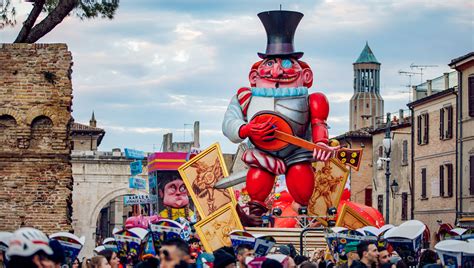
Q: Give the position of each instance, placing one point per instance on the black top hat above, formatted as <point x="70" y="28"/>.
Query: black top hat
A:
<point x="280" y="26"/>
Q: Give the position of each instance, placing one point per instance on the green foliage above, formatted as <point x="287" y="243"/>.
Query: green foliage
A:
<point x="88" y="9"/>
<point x="85" y="9"/>
<point x="7" y="14"/>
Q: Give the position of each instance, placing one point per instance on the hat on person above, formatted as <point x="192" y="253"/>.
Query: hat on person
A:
<point x="285" y="250"/>
<point x="351" y="246"/>
<point x="27" y="242"/>
<point x="58" y="255"/>
<point x="222" y="258"/>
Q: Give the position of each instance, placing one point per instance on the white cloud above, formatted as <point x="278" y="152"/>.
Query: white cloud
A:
<point x="339" y="97"/>
<point x="186" y="33"/>
<point x="181" y="56"/>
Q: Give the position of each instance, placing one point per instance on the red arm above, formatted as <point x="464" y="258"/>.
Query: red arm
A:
<point x="319" y="111"/>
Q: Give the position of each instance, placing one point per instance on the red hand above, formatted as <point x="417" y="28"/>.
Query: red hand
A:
<point x="256" y="130"/>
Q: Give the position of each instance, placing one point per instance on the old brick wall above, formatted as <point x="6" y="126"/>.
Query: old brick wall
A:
<point x="35" y="116"/>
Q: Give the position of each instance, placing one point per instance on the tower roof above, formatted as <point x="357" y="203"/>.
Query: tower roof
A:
<point x="367" y="56"/>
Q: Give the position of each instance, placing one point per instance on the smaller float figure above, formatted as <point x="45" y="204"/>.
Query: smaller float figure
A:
<point x="175" y="198"/>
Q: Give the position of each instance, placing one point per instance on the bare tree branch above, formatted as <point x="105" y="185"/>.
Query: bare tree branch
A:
<point x="56" y="16"/>
<point x="30" y="21"/>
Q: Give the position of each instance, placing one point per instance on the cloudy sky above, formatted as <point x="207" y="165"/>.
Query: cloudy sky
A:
<point x="161" y="65"/>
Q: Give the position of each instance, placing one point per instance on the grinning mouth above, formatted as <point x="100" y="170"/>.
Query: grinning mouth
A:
<point x="286" y="79"/>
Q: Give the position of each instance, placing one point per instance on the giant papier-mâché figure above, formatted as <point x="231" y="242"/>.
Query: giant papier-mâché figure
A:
<point x="279" y="92"/>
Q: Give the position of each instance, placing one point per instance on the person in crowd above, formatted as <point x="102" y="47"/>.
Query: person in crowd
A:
<point x="244" y="251"/>
<point x="111" y="257"/>
<point x="318" y="256"/>
<point x="98" y="261"/>
<point x="174" y="252"/>
<point x="58" y="257"/>
<point x="29" y="248"/>
<point x="2" y="259"/>
<point x="308" y="264"/>
<point x="270" y="263"/>
<point x="384" y="257"/>
<point x="427" y="258"/>
<point x="76" y="263"/>
<point x="299" y="259"/>
<point x="223" y="259"/>
<point x="368" y="255"/>
<point x="350" y="254"/>
<point x="286" y="250"/>
<point x="149" y="262"/>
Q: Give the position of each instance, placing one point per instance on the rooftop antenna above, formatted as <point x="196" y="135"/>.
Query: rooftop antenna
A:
<point x="409" y="74"/>
<point x="421" y="67"/>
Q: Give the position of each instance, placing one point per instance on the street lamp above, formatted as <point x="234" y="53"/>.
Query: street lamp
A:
<point x="387" y="145"/>
<point x="394" y="186"/>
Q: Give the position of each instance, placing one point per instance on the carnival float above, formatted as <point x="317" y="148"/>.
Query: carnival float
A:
<point x="295" y="181"/>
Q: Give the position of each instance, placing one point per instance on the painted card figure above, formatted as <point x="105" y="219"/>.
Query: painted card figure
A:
<point x="215" y="231"/>
<point x="200" y="174"/>
<point x="330" y="178"/>
<point x="350" y="219"/>
<point x="206" y="177"/>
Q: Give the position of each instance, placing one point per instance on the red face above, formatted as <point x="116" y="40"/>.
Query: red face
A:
<point x="280" y="72"/>
<point x="175" y="194"/>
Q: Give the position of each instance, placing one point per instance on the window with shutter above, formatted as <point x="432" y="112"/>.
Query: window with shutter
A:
<point x="426" y="129"/>
<point x="405" y="153"/>
<point x="404" y="206"/>
<point x="441" y="123"/>
<point x="423" y="182"/>
<point x="418" y="129"/>
<point x="441" y="180"/>
<point x="470" y="85"/>
<point x="450" y="179"/>
<point x="380" y="203"/>
<point x="471" y="175"/>
<point x="368" y="197"/>
<point x="449" y="131"/>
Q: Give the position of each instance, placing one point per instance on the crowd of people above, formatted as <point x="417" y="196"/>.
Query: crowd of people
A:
<point x="29" y="247"/>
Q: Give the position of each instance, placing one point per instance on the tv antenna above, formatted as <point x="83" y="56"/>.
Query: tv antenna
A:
<point x="421" y="67"/>
<point x="410" y="75"/>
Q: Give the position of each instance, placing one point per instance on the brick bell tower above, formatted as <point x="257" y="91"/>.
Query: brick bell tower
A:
<point x="366" y="105"/>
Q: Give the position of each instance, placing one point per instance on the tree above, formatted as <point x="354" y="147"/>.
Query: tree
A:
<point x="57" y="10"/>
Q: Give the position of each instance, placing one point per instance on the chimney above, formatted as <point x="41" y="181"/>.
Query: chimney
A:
<point x="446" y="80"/>
<point x="168" y="142"/>
<point x="430" y="88"/>
<point x="196" y="134"/>
<point x="402" y="118"/>
<point x="413" y="92"/>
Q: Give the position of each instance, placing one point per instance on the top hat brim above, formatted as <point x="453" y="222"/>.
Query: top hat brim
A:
<point x="296" y="55"/>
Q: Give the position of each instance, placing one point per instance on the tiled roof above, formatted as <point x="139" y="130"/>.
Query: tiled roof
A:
<point x="367" y="56"/>
<point x="85" y="128"/>
<point x="459" y="59"/>
<point x="359" y="133"/>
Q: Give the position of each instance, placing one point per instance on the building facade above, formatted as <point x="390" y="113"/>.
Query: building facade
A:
<point x="400" y="169"/>
<point x="434" y="158"/>
<point x="361" y="180"/>
<point x="464" y="66"/>
<point x="35" y="117"/>
<point x="366" y="105"/>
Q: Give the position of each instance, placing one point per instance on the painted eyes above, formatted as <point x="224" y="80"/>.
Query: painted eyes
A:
<point x="269" y="63"/>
